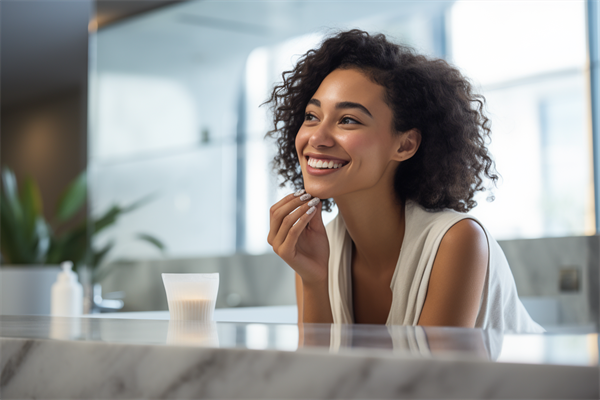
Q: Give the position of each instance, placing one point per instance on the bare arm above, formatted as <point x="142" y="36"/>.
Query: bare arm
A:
<point x="299" y="298"/>
<point x="457" y="278"/>
<point x="314" y="306"/>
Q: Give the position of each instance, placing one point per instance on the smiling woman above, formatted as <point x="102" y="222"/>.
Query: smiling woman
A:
<point x="397" y="140"/>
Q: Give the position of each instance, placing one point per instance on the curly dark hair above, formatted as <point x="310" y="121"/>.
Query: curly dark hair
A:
<point x="423" y="93"/>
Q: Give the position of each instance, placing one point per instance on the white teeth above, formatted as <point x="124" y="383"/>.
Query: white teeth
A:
<point x="323" y="164"/>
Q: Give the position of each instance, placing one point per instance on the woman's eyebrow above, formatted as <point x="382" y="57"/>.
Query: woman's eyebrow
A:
<point x="349" y="104"/>
<point x="342" y="105"/>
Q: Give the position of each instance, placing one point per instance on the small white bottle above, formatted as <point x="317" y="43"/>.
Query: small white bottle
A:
<point x="67" y="293"/>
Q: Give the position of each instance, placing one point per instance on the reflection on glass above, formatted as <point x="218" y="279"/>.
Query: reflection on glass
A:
<point x="404" y="340"/>
<point x="286" y="337"/>
<point x="481" y="343"/>
<point x="397" y="341"/>
<point x="257" y="336"/>
<point x="65" y="328"/>
<point x="552" y="349"/>
<point x="193" y="333"/>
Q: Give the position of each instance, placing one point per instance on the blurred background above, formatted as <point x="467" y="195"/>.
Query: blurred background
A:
<point x="160" y="103"/>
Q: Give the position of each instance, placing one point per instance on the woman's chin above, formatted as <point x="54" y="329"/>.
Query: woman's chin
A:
<point x="318" y="191"/>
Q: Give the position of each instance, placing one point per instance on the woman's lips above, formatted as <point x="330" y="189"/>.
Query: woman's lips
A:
<point x="320" y="172"/>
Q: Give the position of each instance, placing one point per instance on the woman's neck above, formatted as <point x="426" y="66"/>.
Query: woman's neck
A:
<point x="375" y="221"/>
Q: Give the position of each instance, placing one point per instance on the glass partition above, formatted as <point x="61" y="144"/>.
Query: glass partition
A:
<point x="176" y="119"/>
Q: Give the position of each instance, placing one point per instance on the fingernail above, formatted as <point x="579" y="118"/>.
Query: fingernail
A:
<point x="298" y="193"/>
<point x="305" y="197"/>
<point x="311" y="210"/>
<point x="314" y="202"/>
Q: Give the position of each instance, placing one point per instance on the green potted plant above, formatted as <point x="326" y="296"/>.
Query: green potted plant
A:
<point x="32" y="248"/>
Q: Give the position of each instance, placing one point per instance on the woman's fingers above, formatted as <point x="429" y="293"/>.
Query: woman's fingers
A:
<point x="292" y="219"/>
<point x="317" y="223"/>
<point x="293" y="227"/>
<point x="275" y="214"/>
<point x="283" y="208"/>
<point x="288" y="198"/>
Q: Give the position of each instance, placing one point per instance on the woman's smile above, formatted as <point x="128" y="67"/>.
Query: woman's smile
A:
<point x="318" y="164"/>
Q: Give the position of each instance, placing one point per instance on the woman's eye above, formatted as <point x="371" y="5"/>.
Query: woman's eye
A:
<point x="348" y="120"/>
<point x="309" y="117"/>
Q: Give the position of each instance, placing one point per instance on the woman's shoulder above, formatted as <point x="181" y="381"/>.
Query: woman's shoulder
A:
<point x="421" y="218"/>
<point x="448" y="226"/>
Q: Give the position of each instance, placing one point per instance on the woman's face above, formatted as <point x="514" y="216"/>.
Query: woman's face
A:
<point x="346" y="143"/>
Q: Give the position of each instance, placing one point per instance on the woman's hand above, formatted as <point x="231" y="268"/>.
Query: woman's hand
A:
<point x="298" y="236"/>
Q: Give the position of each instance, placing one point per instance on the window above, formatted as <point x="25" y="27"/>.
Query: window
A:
<point x="530" y="61"/>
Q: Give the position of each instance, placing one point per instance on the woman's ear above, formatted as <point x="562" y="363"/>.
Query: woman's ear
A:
<point x="407" y="144"/>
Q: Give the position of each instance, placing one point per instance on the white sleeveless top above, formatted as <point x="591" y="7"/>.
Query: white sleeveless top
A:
<point x="500" y="307"/>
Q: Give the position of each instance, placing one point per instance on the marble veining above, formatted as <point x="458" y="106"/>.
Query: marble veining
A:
<point x="79" y="358"/>
<point x="12" y="362"/>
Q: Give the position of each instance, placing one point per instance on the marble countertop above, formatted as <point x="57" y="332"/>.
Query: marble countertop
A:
<point x="152" y="357"/>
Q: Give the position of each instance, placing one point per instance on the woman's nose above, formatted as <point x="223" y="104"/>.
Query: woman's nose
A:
<point x="321" y="136"/>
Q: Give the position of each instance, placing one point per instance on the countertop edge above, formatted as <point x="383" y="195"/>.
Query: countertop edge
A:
<point x="71" y="369"/>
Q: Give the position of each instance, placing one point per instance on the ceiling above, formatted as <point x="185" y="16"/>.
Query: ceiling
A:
<point x="44" y="43"/>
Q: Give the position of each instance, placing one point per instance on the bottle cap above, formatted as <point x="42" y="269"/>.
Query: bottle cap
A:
<point x="67" y="274"/>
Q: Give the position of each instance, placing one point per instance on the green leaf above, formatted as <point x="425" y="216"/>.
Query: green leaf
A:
<point x="72" y="199"/>
<point x="107" y="219"/>
<point x="72" y="246"/>
<point x="55" y="252"/>
<point x="111" y="216"/>
<point x="136" y="204"/>
<point x="18" y="221"/>
<point x="12" y="241"/>
<point x="113" y="213"/>
<point x="9" y="184"/>
<point x="32" y="207"/>
<point x="152" y="240"/>
<point x="74" y="243"/>
<point x="42" y="240"/>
